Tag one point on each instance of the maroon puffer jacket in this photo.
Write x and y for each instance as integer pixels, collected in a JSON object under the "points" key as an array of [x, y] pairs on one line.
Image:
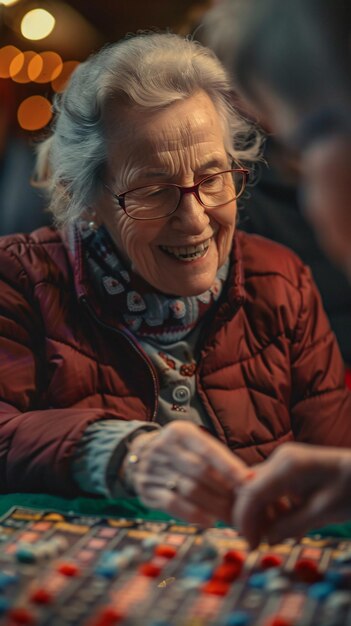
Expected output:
{"points": [[269, 368]]}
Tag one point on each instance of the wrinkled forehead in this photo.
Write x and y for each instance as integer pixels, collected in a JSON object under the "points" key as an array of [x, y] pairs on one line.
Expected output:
{"points": [[178, 124]]}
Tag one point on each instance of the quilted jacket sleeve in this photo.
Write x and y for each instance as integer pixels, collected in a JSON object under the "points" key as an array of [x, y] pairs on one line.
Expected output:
{"points": [[36, 442], [318, 377]]}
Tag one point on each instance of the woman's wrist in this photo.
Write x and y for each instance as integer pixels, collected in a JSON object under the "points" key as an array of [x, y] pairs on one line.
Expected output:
{"points": [[136, 443]]}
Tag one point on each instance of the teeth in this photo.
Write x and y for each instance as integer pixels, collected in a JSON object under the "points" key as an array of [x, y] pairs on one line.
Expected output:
{"points": [[188, 253]]}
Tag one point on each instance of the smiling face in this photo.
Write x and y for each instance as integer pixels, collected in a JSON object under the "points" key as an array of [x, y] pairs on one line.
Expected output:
{"points": [[179, 254]]}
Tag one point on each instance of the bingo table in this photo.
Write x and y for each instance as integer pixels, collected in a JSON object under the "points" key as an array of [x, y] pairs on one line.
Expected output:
{"points": [[91, 562]]}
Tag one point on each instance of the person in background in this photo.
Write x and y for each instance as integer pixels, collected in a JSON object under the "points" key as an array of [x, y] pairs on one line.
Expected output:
{"points": [[270, 206], [146, 347], [309, 109], [21, 205], [305, 91]]}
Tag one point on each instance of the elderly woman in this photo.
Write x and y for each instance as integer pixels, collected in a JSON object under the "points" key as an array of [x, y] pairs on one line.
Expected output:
{"points": [[145, 345]]}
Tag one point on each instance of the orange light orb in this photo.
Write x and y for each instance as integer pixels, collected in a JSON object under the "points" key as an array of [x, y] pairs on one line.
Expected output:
{"points": [[50, 69], [19, 66], [7, 55], [34, 113]]}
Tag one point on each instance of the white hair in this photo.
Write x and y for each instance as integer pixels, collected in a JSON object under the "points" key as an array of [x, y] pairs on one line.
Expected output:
{"points": [[146, 72]]}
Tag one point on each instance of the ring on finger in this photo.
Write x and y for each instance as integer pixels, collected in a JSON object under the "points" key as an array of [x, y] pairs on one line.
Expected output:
{"points": [[172, 484]]}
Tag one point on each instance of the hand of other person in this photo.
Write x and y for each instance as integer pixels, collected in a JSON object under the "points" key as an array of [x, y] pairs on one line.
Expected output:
{"points": [[314, 481], [184, 471]]}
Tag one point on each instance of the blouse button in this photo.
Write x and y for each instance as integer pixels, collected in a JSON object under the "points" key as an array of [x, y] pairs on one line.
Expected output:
{"points": [[181, 394]]}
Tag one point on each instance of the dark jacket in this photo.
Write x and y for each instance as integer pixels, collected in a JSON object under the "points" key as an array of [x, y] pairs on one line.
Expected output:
{"points": [[269, 369]]}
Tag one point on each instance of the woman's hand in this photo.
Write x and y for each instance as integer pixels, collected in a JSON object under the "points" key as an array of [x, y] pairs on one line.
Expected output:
{"points": [[314, 481], [184, 471]]}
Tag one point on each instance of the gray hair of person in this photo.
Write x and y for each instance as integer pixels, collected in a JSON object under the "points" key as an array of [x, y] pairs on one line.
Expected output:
{"points": [[142, 73], [299, 49]]}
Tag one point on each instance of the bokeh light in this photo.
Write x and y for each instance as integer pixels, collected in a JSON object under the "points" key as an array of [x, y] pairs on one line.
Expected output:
{"points": [[50, 67], [8, 3], [19, 66], [37, 24], [60, 82], [7, 55], [35, 67], [34, 113]]}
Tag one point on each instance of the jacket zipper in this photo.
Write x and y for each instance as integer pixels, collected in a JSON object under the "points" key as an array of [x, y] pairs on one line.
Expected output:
{"points": [[204, 348], [135, 347]]}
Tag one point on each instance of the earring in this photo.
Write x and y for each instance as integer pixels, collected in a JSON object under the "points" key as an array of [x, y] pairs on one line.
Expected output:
{"points": [[92, 225]]}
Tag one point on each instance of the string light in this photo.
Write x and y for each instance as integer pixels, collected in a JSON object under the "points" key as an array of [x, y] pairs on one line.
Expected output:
{"points": [[34, 113], [8, 3], [37, 24], [19, 66], [7, 55], [51, 67]]}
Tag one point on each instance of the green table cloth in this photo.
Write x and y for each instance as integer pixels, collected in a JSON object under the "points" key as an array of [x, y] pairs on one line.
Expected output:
{"points": [[129, 508]]}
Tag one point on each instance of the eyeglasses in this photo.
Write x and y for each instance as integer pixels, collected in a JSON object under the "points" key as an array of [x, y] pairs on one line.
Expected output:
{"points": [[153, 202]]}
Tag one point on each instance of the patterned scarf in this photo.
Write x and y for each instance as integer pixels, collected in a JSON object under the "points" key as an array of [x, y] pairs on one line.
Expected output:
{"points": [[148, 313]]}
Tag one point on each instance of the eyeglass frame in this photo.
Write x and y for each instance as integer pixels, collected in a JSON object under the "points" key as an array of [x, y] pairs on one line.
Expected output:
{"points": [[194, 189]]}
